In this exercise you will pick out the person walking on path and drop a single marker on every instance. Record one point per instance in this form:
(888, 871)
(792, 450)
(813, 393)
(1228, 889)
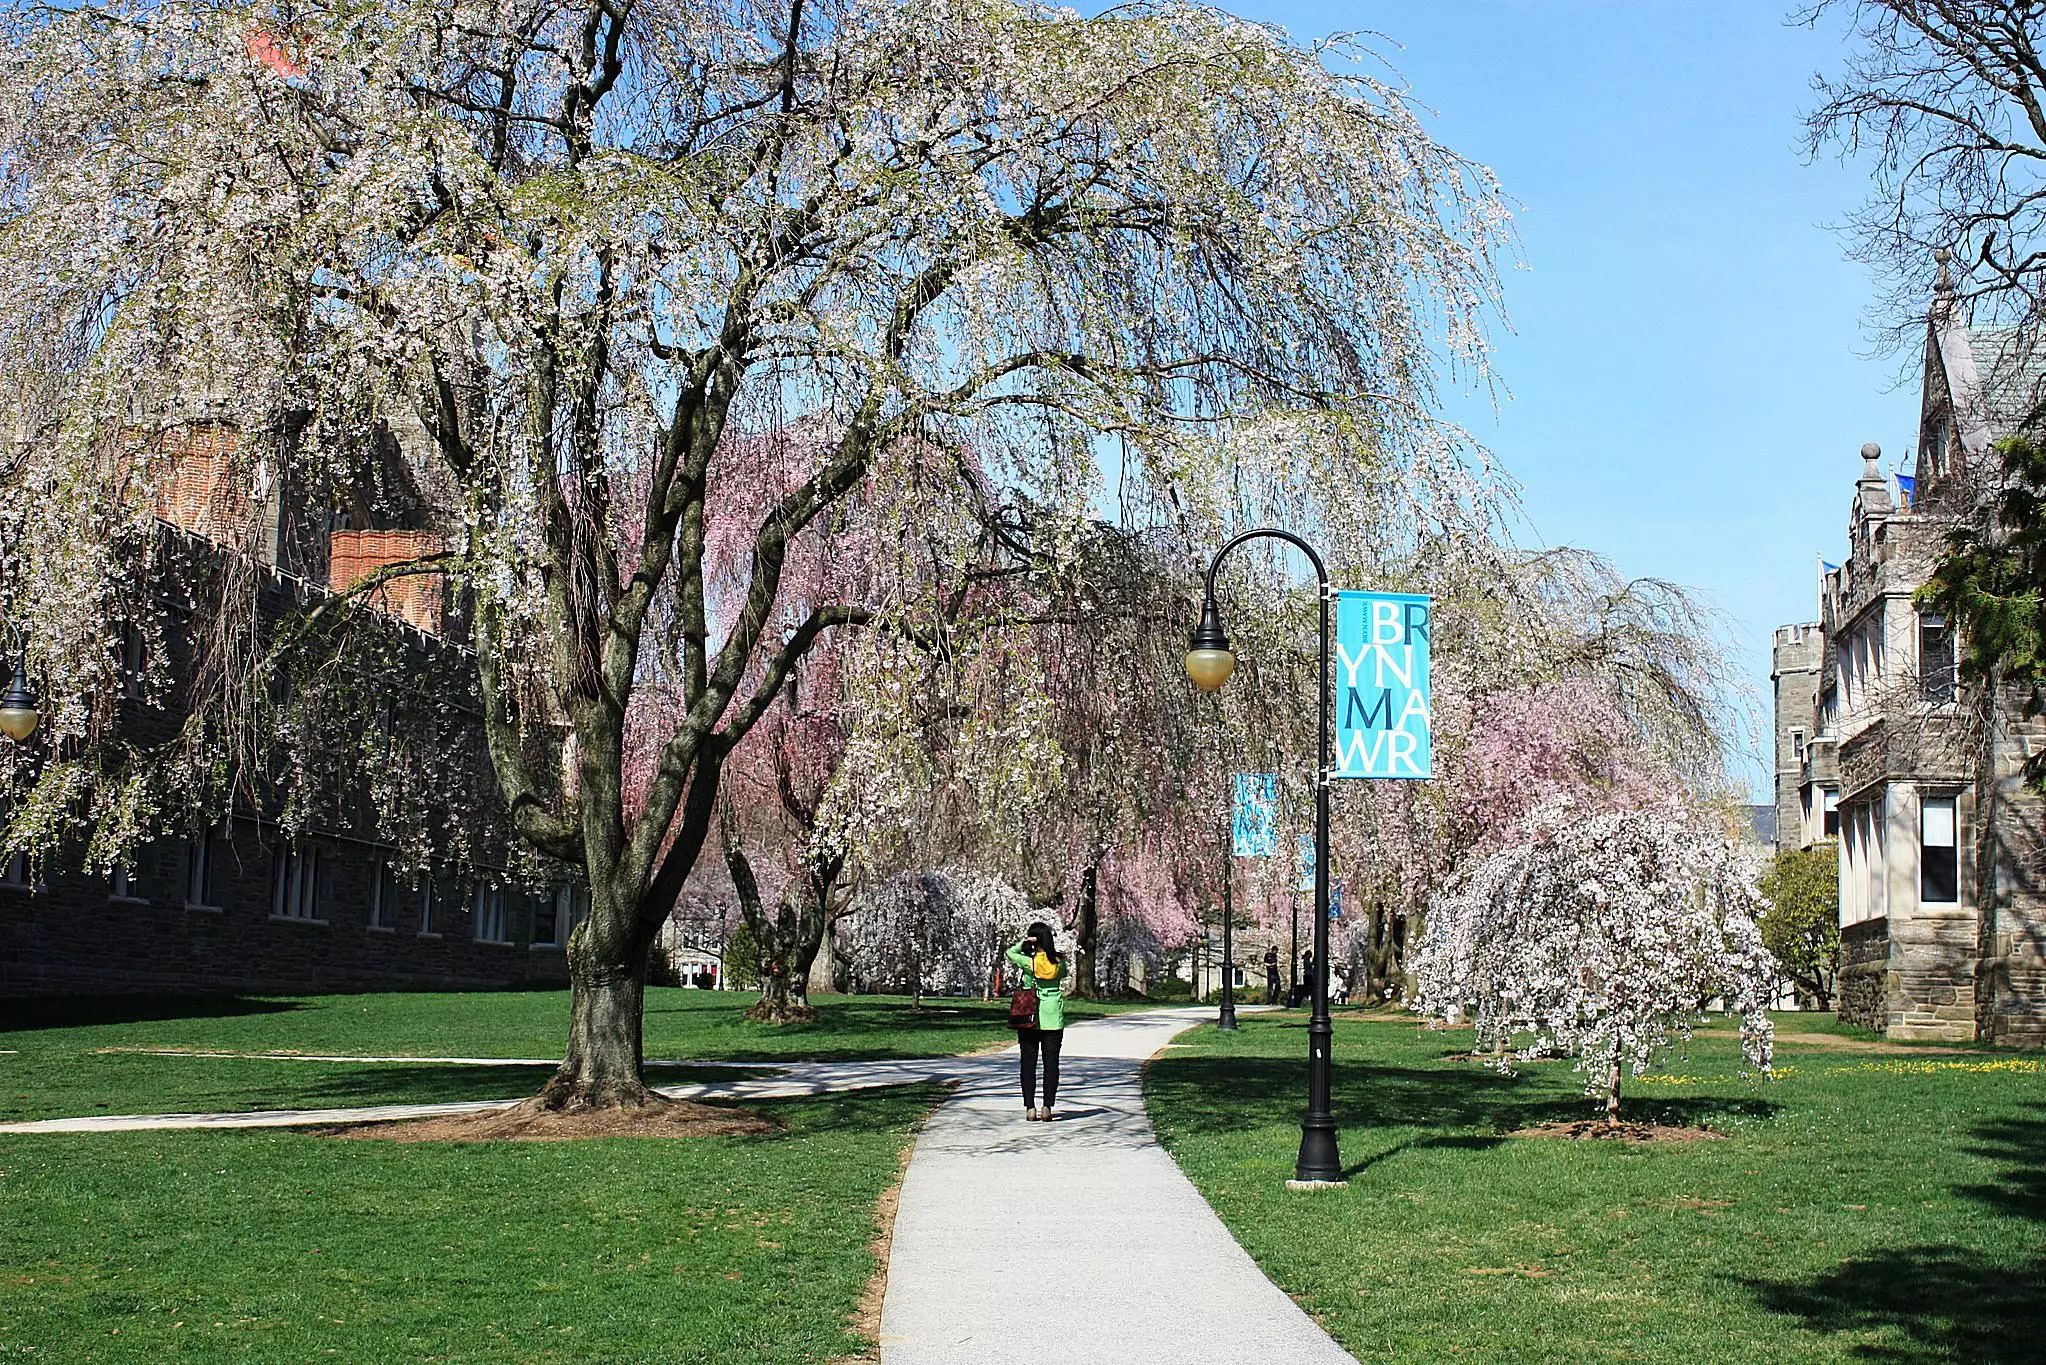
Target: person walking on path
(1271, 976)
(1037, 957)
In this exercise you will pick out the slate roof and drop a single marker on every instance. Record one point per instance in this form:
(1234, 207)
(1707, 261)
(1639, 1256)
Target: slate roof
(2012, 373)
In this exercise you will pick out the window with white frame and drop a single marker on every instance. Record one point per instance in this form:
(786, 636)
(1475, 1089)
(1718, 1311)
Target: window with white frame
(426, 907)
(1830, 814)
(121, 883)
(1939, 862)
(202, 854)
(1797, 746)
(489, 913)
(385, 896)
(295, 883)
(14, 871)
(556, 917)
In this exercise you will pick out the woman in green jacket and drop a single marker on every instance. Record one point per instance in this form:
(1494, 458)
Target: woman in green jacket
(1037, 958)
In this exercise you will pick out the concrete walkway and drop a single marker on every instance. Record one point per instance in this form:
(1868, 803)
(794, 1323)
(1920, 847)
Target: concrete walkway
(1077, 1241)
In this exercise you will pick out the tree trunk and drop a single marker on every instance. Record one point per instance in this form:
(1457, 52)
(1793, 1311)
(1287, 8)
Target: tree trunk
(788, 944)
(603, 1067)
(1086, 931)
(1613, 1093)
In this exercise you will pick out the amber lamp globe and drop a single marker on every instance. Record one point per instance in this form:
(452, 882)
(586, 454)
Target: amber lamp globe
(1209, 660)
(18, 712)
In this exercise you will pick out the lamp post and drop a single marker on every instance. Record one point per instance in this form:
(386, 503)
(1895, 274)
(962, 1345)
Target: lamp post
(1227, 1020)
(1209, 662)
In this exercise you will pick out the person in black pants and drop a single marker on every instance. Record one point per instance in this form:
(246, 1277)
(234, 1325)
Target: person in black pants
(1271, 976)
(1038, 960)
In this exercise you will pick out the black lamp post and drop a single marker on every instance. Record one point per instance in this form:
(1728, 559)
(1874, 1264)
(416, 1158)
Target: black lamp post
(1227, 1019)
(1209, 662)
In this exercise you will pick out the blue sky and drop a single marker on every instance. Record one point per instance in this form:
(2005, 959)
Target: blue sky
(1689, 368)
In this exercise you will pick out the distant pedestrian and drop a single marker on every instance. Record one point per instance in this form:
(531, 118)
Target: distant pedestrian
(1271, 976)
(1342, 990)
(1037, 957)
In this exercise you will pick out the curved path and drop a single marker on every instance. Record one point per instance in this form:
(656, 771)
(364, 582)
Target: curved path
(1083, 1226)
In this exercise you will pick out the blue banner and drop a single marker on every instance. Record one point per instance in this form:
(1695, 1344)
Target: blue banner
(1335, 899)
(1256, 833)
(1306, 862)
(1383, 728)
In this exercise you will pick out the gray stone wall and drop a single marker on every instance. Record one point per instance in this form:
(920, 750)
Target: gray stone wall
(1864, 969)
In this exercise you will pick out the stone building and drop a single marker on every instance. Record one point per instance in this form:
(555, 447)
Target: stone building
(238, 906)
(1912, 769)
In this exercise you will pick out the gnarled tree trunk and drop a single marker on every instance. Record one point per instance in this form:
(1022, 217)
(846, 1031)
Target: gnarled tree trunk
(603, 1066)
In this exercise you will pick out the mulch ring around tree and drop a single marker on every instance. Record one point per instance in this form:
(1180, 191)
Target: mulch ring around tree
(1598, 1130)
(675, 1119)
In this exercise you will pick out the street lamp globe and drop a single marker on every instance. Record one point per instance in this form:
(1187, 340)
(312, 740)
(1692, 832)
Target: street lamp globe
(19, 714)
(1209, 660)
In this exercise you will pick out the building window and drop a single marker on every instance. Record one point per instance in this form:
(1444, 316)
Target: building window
(1939, 864)
(1935, 659)
(384, 896)
(121, 883)
(1797, 745)
(426, 929)
(14, 871)
(295, 883)
(202, 852)
(1830, 821)
(489, 912)
(556, 917)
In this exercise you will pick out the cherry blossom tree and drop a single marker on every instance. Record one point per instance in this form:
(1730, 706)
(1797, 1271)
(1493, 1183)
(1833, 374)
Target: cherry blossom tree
(939, 932)
(585, 247)
(1601, 936)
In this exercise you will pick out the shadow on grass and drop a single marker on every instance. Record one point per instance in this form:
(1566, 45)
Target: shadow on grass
(1936, 1302)
(1267, 1090)
(20, 1016)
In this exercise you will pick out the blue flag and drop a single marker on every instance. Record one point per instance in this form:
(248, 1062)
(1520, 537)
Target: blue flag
(1335, 899)
(1908, 486)
(1307, 862)
(1255, 831)
(1829, 568)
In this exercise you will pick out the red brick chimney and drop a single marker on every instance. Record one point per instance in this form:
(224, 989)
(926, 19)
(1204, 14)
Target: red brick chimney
(418, 598)
(202, 493)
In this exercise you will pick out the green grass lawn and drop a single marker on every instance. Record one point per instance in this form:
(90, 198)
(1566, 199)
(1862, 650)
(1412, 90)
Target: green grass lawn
(1866, 1205)
(280, 1246)
(60, 1058)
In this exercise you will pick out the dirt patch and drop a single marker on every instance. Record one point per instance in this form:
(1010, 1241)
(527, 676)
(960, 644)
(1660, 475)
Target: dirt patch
(1598, 1130)
(1840, 1044)
(675, 1119)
